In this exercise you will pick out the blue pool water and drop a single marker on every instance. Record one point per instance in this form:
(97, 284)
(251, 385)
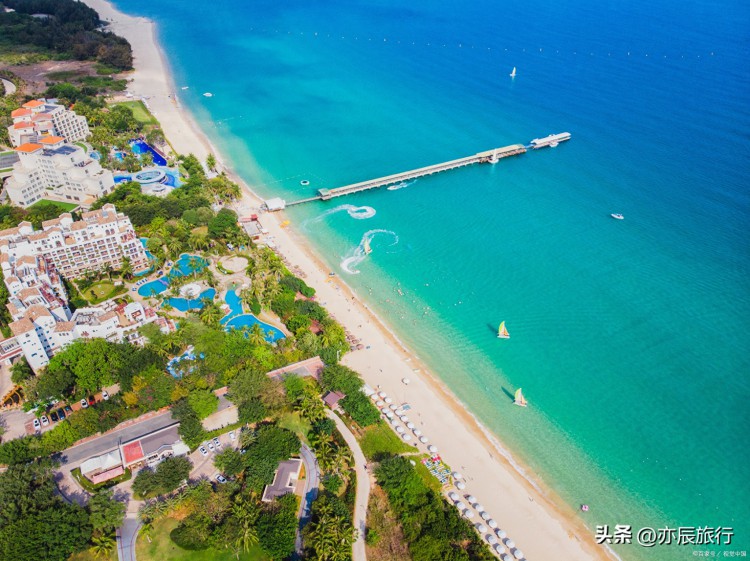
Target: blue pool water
(185, 305)
(181, 268)
(172, 177)
(139, 147)
(236, 319)
(187, 355)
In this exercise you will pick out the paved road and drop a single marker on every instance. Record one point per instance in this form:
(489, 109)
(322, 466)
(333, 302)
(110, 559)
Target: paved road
(126, 536)
(10, 87)
(109, 441)
(363, 488)
(312, 482)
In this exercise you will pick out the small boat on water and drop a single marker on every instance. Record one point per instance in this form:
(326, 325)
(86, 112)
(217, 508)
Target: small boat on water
(368, 249)
(305, 182)
(513, 73)
(502, 333)
(208, 94)
(185, 87)
(519, 400)
(617, 216)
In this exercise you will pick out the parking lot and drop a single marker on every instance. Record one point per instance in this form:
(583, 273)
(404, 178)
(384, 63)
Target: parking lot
(33, 424)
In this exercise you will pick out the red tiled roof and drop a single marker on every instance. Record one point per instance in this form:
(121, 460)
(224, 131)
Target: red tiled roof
(29, 147)
(51, 139)
(33, 103)
(23, 125)
(132, 452)
(20, 112)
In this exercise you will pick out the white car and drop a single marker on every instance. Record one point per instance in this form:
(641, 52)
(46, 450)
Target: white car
(203, 451)
(45, 420)
(217, 443)
(220, 478)
(211, 445)
(84, 404)
(105, 395)
(232, 436)
(37, 424)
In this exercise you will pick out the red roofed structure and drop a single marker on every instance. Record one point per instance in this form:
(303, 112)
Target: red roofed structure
(132, 453)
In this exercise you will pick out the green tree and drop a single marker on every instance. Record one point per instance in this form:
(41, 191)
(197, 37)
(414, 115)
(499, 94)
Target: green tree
(203, 402)
(105, 513)
(211, 162)
(102, 546)
(21, 371)
(230, 462)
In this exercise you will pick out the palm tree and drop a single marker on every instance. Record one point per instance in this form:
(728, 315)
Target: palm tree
(174, 247)
(108, 270)
(247, 438)
(147, 530)
(245, 514)
(211, 162)
(194, 264)
(103, 545)
(257, 336)
(247, 297)
(211, 314)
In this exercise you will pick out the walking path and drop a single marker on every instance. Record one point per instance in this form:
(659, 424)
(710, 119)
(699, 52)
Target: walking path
(126, 536)
(312, 482)
(10, 87)
(363, 488)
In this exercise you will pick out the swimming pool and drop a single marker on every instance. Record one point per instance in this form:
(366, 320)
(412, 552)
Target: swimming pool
(187, 355)
(184, 305)
(167, 176)
(184, 266)
(140, 147)
(235, 319)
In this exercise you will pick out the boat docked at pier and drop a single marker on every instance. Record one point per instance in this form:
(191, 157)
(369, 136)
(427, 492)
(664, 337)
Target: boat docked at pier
(551, 140)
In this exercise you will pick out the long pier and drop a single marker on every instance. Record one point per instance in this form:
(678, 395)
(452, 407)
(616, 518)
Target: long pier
(489, 156)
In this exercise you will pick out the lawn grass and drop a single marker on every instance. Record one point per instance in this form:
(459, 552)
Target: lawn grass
(162, 548)
(379, 440)
(103, 290)
(295, 423)
(141, 114)
(430, 480)
(64, 207)
(88, 556)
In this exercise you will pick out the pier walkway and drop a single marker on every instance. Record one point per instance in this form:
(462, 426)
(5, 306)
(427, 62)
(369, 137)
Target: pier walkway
(490, 156)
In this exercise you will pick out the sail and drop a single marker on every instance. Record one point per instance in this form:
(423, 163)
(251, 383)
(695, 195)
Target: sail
(502, 332)
(519, 398)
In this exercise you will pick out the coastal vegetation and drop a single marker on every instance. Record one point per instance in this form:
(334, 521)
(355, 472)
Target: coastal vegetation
(59, 29)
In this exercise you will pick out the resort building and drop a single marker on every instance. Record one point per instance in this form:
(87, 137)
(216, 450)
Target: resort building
(38, 119)
(285, 480)
(52, 168)
(33, 266)
(101, 238)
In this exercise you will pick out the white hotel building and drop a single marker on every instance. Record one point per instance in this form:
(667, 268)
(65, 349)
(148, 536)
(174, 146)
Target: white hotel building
(53, 168)
(33, 263)
(38, 119)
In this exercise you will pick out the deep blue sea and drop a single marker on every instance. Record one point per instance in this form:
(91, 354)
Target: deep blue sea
(630, 338)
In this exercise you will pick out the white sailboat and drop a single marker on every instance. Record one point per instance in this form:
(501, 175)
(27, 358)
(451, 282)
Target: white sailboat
(513, 74)
(519, 400)
(502, 333)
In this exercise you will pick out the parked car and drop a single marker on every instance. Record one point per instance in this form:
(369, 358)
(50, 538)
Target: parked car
(220, 478)
(68, 410)
(61, 414)
(232, 436)
(84, 404)
(53, 417)
(203, 451)
(45, 421)
(105, 395)
(217, 443)
(37, 424)
(92, 400)
(211, 445)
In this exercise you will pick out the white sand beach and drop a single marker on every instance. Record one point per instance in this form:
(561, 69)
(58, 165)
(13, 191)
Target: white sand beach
(542, 530)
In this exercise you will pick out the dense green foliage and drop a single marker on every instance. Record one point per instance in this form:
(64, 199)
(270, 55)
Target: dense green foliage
(337, 377)
(105, 513)
(272, 445)
(433, 528)
(35, 523)
(70, 30)
(276, 527)
(168, 475)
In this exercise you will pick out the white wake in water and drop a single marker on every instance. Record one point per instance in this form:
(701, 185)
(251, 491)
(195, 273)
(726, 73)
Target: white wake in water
(401, 185)
(356, 212)
(357, 255)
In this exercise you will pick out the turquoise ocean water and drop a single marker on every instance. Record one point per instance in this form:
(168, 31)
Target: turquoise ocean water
(630, 338)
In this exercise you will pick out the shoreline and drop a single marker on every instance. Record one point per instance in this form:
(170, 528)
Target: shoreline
(531, 514)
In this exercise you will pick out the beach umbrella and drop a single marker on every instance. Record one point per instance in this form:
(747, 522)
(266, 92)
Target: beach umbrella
(417, 432)
(410, 426)
(468, 513)
(404, 418)
(457, 475)
(406, 381)
(501, 534)
(506, 557)
(492, 524)
(499, 548)
(389, 414)
(423, 439)
(492, 540)
(392, 406)
(387, 400)
(460, 505)
(380, 403)
(518, 554)
(432, 449)
(479, 507)
(384, 409)
(383, 395)
(393, 421)
(481, 528)
(460, 485)
(400, 430)
(472, 499)
(374, 396)
(485, 515)
(453, 496)
(406, 437)
(509, 543)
